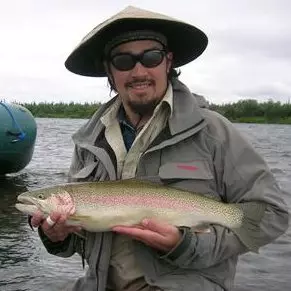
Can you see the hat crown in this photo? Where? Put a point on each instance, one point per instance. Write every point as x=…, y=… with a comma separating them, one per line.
x=135, y=12
x=128, y=12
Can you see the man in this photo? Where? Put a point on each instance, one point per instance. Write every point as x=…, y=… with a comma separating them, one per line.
x=154, y=128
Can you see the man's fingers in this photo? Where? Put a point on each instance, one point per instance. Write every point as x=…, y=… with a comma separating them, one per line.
x=148, y=227
x=60, y=226
x=36, y=219
x=56, y=229
x=51, y=222
x=138, y=233
x=153, y=239
x=157, y=226
x=157, y=234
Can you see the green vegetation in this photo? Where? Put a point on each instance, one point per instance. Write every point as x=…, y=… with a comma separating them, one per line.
x=251, y=111
x=246, y=111
x=62, y=110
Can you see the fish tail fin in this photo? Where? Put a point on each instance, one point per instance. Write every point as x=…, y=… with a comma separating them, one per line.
x=249, y=231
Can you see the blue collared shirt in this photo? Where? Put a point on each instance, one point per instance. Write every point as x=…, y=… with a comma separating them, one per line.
x=127, y=129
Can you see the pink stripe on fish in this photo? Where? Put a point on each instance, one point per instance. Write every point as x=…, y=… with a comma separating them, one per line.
x=187, y=167
x=146, y=201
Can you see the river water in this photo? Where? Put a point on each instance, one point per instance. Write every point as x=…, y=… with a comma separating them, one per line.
x=25, y=264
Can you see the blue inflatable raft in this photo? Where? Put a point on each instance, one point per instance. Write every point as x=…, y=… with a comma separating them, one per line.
x=18, y=131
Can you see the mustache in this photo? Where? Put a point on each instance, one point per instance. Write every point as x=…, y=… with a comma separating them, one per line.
x=138, y=81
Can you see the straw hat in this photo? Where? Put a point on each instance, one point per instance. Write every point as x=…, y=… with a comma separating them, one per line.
x=185, y=41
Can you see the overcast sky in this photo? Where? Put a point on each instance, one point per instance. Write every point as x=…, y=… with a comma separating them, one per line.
x=248, y=56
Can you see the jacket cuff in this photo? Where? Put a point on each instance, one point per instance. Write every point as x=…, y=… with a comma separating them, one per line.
x=54, y=247
x=181, y=247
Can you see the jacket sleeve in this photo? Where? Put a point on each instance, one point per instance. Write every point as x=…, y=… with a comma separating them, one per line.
x=66, y=248
x=243, y=177
x=77, y=164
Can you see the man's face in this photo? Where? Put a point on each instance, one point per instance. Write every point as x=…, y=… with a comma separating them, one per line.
x=139, y=86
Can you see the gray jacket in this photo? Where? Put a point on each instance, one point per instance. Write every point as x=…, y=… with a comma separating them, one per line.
x=228, y=168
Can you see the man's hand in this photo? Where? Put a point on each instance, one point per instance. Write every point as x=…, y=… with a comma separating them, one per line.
x=54, y=227
x=156, y=234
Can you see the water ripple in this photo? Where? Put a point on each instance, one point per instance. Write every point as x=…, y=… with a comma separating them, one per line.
x=25, y=264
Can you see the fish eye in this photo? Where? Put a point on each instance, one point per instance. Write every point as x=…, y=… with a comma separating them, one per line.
x=40, y=196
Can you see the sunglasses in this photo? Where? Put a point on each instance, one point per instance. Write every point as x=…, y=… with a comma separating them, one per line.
x=127, y=61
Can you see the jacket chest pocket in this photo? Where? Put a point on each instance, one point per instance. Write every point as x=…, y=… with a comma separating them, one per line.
x=194, y=176
x=93, y=170
x=97, y=165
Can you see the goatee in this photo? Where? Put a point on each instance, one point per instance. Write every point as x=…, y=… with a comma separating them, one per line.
x=143, y=109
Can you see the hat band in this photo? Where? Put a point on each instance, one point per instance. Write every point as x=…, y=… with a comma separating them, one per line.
x=135, y=35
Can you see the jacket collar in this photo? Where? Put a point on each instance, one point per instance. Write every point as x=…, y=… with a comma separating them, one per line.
x=186, y=114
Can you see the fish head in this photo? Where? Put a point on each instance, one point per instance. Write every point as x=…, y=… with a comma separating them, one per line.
x=47, y=200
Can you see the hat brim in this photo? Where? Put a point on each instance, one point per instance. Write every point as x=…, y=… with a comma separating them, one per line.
x=187, y=42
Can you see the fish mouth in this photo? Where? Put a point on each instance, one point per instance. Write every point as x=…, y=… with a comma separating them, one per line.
x=26, y=200
x=27, y=205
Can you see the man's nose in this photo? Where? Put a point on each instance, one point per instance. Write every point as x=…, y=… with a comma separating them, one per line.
x=139, y=70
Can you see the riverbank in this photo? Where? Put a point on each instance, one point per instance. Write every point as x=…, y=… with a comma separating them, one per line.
x=243, y=111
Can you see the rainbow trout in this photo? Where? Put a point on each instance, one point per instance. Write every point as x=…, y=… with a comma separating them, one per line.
x=99, y=206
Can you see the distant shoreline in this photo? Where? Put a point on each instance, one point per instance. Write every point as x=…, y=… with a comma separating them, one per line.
x=259, y=120
x=256, y=120
x=243, y=111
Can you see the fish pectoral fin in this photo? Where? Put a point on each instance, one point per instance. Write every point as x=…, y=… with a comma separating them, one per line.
x=78, y=220
x=201, y=228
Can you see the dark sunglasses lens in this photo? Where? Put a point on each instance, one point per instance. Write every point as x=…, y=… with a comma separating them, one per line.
x=123, y=62
x=151, y=59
